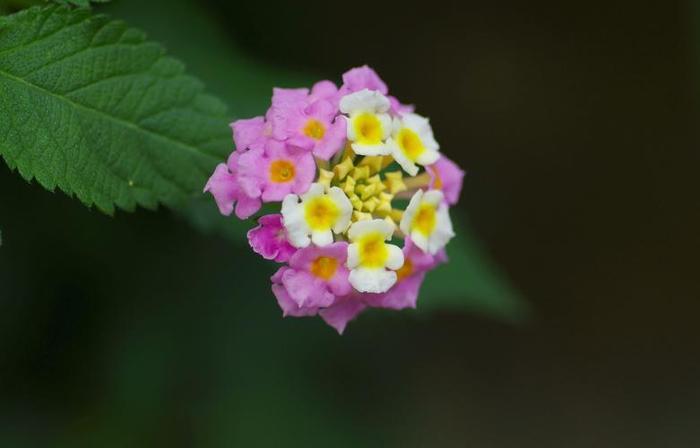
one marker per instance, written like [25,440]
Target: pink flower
[276,171]
[224,185]
[251,133]
[269,239]
[284,300]
[445,175]
[283,97]
[324,90]
[364,77]
[359,78]
[317,275]
[404,293]
[308,120]
[342,311]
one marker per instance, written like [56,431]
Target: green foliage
[82,3]
[95,109]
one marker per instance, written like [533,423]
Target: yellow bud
[373,162]
[348,186]
[388,160]
[356,202]
[342,169]
[386,197]
[371,204]
[360,172]
[367,192]
[325,177]
[396,215]
[360,216]
[394,181]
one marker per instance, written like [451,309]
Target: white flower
[369,256]
[427,221]
[413,143]
[369,124]
[319,214]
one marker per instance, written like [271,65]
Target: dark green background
[577,123]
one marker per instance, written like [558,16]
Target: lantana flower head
[340,163]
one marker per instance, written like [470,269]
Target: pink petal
[268,239]
[289,307]
[285,96]
[451,177]
[363,78]
[248,133]
[323,90]
[333,141]
[247,207]
[222,185]
[398,108]
[338,315]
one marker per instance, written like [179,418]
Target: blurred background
[577,123]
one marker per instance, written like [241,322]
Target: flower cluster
[355,171]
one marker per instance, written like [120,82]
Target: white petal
[350,130]
[372,280]
[353,256]
[415,122]
[443,232]
[343,203]
[360,228]
[364,101]
[433,197]
[429,142]
[387,125]
[428,157]
[380,149]
[395,260]
[401,158]
[419,240]
[322,237]
[410,213]
[294,222]
[315,190]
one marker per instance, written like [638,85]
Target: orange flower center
[314,129]
[281,171]
[324,267]
[405,270]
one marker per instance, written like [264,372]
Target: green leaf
[93,108]
[81,3]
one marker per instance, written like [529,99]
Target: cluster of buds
[355,172]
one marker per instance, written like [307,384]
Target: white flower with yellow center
[369,124]
[371,260]
[412,143]
[317,216]
[427,222]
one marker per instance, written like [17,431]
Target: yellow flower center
[281,171]
[373,251]
[368,129]
[410,144]
[425,219]
[324,267]
[314,129]
[405,270]
[321,213]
